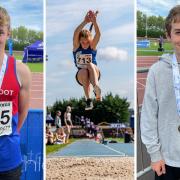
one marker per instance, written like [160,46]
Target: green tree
[111,109]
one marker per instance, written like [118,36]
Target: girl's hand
[87,18]
[92,16]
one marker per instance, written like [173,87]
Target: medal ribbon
[3,69]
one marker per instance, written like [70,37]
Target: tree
[155,25]
[112,109]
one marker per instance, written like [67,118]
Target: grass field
[56,147]
[34,67]
[115,139]
[19,57]
[154,46]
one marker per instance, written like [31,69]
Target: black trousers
[13,174]
[172,173]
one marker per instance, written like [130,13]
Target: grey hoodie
[159,117]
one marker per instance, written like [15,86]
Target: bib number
[83,59]
[5,118]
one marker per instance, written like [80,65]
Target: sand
[90,168]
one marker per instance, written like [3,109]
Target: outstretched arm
[97,31]
[78,30]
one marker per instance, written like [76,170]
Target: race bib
[5,118]
[83,59]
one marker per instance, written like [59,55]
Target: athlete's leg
[94,73]
[83,78]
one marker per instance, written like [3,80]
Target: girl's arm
[97,32]
[78,30]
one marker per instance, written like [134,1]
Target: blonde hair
[4,18]
[85,34]
[173,17]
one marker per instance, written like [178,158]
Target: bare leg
[51,140]
[93,74]
[83,78]
[68,133]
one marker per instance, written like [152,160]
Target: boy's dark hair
[173,17]
[4,18]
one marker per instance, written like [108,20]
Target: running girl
[84,51]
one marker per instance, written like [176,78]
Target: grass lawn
[153,46]
[149,53]
[115,139]
[56,147]
[35,67]
[18,57]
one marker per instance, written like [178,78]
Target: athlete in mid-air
[84,51]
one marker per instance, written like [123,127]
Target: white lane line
[37,98]
[119,152]
[141,84]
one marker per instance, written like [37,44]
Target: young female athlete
[84,51]
[68,122]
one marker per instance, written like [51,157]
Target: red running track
[143,62]
[36,101]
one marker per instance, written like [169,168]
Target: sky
[156,7]
[28,13]
[115,51]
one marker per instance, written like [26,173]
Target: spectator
[49,136]
[60,136]
[68,122]
[58,119]
[49,119]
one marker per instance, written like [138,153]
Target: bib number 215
[5,117]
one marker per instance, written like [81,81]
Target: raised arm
[78,30]
[97,31]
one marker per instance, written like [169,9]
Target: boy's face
[4,34]
[175,36]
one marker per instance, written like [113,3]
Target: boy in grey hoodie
[160,116]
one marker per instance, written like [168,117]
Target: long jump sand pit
[90,168]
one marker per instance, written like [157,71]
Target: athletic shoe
[97,92]
[89,104]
